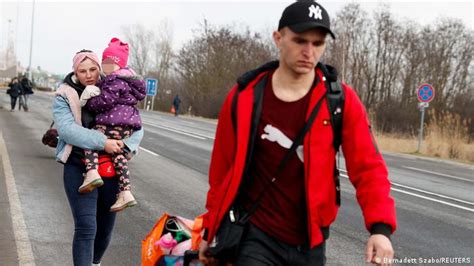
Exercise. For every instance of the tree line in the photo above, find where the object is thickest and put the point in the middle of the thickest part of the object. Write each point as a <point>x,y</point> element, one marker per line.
<point>382,58</point>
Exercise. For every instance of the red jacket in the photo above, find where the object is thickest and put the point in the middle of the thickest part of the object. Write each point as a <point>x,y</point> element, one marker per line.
<point>365,165</point>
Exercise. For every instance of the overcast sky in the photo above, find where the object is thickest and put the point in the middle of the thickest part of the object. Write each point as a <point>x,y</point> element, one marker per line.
<point>62,28</point>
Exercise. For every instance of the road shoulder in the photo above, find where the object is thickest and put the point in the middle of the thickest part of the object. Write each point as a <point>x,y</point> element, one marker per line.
<point>8,254</point>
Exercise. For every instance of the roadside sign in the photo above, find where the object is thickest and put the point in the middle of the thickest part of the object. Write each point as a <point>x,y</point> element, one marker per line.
<point>151,85</point>
<point>423,105</point>
<point>425,93</point>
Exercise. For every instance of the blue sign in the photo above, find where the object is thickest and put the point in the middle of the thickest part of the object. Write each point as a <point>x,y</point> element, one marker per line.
<point>151,85</point>
<point>425,93</point>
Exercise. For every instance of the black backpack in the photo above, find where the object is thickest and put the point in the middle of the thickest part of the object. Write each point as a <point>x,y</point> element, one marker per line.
<point>334,96</point>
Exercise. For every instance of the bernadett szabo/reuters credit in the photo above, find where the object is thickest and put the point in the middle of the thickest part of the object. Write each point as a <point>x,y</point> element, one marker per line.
<point>431,260</point>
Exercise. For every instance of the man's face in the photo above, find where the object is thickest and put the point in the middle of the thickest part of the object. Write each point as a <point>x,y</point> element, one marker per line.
<point>300,52</point>
<point>87,72</point>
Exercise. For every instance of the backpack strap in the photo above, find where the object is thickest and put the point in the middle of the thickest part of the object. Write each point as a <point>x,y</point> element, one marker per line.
<point>244,80</point>
<point>234,110</point>
<point>335,100</point>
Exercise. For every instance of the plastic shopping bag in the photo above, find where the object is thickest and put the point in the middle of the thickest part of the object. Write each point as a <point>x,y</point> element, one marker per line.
<point>186,232</point>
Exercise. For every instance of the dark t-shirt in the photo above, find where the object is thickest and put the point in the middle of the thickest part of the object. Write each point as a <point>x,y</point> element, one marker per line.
<point>282,211</point>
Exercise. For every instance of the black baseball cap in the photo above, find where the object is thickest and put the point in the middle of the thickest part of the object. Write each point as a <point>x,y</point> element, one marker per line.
<point>305,15</point>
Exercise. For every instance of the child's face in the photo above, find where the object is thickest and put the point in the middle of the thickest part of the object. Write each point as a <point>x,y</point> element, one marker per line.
<point>109,66</point>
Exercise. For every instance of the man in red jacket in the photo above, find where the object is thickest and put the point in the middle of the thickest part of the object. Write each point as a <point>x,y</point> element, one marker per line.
<point>292,220</point>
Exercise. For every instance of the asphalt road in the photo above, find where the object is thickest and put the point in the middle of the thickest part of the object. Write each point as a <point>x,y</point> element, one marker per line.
<point>434,198</point>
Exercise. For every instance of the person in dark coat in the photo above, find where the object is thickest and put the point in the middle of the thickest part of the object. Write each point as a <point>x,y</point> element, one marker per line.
<point>25,92</point>
<point>14,91</point>
<point>176,104</point>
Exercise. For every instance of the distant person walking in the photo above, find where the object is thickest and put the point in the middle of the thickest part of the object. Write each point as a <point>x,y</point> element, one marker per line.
<point>176,104</point>
<point>26,91</point>
<point>14,91</point>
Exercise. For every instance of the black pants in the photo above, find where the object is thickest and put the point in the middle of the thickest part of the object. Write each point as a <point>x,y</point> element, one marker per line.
<point>258,249</point>
<point>13,102</point>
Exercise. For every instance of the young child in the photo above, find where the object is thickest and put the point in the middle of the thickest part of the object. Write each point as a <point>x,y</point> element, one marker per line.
<point>116,116</point>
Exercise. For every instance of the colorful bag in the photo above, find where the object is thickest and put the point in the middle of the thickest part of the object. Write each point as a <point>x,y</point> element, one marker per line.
<point>152,253</point>
<point>172,110</point>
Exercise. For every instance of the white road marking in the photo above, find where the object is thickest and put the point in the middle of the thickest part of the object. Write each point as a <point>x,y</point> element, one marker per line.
<point>435,200</point>
<point>434,194</point>
<point>179,131</point>
<point>440,174</point>
<point>150,152</point>
<point>428,198</point>
<point>22,241</point>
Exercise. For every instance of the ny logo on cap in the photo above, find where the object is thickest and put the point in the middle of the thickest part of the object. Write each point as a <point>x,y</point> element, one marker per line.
<point>315,12</point>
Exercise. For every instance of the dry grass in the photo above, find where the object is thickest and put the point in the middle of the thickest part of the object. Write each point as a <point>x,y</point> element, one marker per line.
<point>446,137</point>
<point>396,143</point>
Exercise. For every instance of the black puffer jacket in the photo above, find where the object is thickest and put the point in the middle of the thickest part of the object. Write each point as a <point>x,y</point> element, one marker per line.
<point>26,85</point>
<point>15,89</point>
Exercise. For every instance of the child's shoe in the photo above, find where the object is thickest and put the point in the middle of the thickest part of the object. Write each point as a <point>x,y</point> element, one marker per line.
<point>91,181</point>
<point>125,199</point>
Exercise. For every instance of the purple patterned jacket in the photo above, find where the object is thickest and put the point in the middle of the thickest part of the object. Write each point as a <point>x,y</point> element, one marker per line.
<point>116,104</point>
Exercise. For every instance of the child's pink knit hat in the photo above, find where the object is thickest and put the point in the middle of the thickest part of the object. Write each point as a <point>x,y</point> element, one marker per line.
<point>117,51</point>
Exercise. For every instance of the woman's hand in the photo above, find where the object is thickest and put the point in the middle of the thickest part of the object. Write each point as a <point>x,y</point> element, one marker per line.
<point>113,146</point>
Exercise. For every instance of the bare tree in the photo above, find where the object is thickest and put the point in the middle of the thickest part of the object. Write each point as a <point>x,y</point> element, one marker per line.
<point>349,52</point>
<point>163,50</point>
<point>386,61</point>
<point>210,63</point>
<point>139,38</point>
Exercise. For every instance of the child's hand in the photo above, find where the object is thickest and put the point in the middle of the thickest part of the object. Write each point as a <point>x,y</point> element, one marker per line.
<point>89,92</point>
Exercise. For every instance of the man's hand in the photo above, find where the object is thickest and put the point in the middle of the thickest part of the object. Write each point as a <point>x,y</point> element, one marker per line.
<point>379,250</point>
<point>113,146</point>
<point>203,257</point>
<point>89,92</point>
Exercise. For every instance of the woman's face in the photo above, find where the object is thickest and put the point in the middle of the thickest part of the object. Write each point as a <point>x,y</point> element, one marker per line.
<point>88,72</point>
